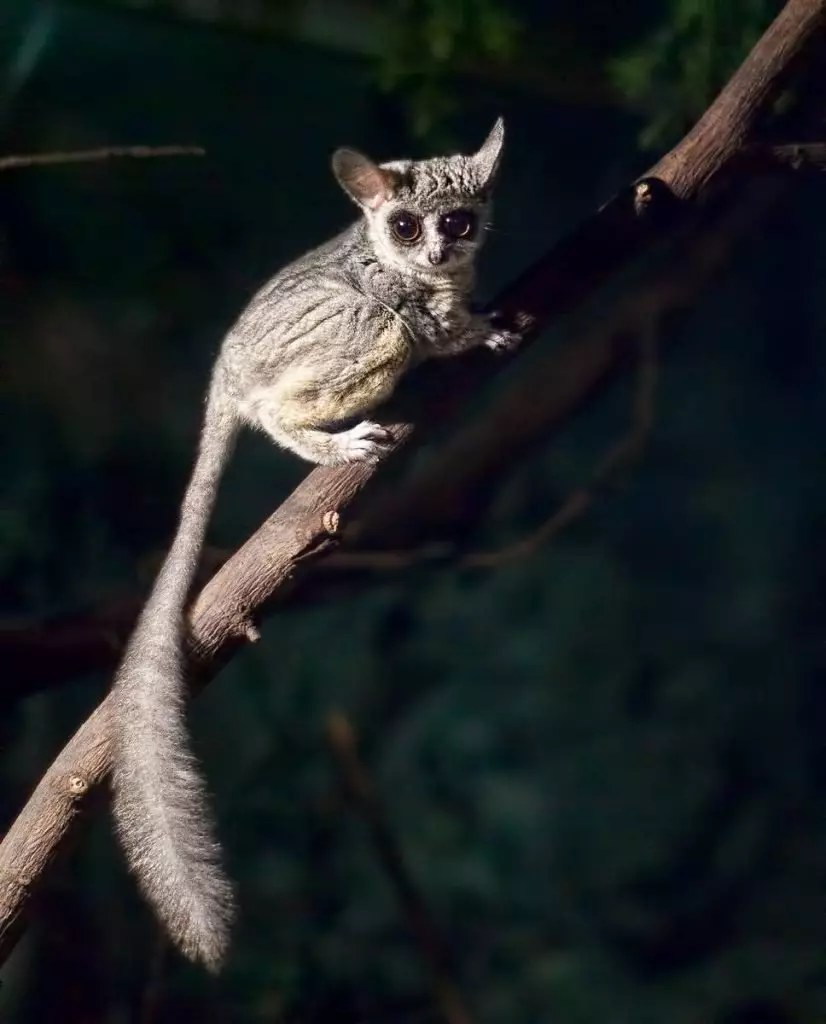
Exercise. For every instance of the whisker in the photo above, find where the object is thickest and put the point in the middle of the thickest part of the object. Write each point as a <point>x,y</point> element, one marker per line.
<point>506,232</point>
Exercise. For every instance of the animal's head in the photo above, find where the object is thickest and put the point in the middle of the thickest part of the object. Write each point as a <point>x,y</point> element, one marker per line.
<point>424,216</point>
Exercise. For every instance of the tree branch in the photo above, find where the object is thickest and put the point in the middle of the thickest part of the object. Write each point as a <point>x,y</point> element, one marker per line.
<point>51,651</point>
<point>622,452</point>
<point>797,157</point>
<point>310,522</point>
<point>454,488</point>
<point>362,796</point>
<point>451,492</point>
<point>88,156</point>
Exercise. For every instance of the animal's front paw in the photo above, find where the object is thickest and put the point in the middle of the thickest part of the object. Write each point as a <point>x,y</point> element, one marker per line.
<point>500,335</point>
<point>365,442</point>
<point>500,340</point>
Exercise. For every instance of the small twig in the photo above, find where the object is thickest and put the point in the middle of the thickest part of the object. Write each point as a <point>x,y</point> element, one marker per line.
<point>618,456</point>
<point>87,156</point>
<point>806,156</point>
<point>361,793</point>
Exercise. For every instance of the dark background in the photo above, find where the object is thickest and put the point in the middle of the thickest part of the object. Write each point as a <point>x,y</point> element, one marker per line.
<point>603,762</point>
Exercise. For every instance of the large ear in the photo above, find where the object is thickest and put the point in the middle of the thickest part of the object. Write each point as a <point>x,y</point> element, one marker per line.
<point>365,182</point>
<point>488,157</point>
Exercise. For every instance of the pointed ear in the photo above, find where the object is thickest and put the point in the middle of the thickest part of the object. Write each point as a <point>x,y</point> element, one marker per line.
<point>365,182</point>
<point>488,157</point>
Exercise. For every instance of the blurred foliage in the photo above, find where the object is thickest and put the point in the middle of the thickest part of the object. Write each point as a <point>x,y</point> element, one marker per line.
<point>428,40</point>
<point>674,73</point>
<point>605,762</point>
<point>665,59</point>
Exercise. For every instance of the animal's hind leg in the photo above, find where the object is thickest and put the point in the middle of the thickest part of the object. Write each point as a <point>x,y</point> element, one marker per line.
<point>294,418</point>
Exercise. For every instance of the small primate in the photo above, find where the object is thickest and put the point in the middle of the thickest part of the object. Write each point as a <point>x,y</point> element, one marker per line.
<point>323,342</point>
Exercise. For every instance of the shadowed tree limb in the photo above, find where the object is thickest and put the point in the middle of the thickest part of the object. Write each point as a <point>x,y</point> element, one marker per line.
<point>311,522</point>
<point>56,649</point>
<point>454,488</point>
<point>809,156</point>
<point>432,509</point>
<point>618,456</point>
<point>362,796</point>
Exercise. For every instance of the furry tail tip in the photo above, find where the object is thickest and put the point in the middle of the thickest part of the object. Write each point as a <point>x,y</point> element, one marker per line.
<point>206,943</point>
<point>198,926</point>
<point>181,880</point>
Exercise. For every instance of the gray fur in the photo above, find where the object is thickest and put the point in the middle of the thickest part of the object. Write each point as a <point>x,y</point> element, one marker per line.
<point>323,342</point>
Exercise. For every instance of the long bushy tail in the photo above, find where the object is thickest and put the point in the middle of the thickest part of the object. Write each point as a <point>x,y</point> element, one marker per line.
<point>161,808</point>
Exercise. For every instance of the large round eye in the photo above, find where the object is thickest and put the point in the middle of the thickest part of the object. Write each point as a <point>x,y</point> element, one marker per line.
<point>405,226</point>
<point>458,224</point>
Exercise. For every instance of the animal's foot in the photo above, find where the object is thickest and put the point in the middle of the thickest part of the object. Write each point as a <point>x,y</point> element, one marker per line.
<point>365,442</point>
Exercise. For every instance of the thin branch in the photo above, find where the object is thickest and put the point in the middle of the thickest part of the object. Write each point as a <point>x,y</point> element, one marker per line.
<point>313,519</point>
<point>361,793</point>
<point>799,157</point>
<point>48,652</point>
<point>88,156</point>
<point>455,486</point>
<point>446,497</point>
<point>54,650</point>
<point>618,456</point>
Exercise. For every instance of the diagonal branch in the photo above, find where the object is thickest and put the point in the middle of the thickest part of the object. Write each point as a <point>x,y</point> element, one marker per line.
<point>433,509</point>
<point>361,794</point>
<point>705,166</point>
<point>456,485</point>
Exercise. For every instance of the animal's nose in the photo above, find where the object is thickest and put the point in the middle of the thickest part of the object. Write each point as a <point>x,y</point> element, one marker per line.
<point>437,257</point>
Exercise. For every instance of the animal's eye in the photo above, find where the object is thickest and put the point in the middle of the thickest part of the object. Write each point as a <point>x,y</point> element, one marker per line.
<point>458,224</point>
<point>405,226</point>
